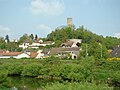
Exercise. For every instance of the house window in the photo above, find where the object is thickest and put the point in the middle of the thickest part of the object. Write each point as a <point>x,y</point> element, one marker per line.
<point>78,44</point>
<point>11,56</point>
<point>75,57</point>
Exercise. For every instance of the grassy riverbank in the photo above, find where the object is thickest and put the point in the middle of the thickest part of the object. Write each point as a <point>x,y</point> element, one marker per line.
<point>82,72</point>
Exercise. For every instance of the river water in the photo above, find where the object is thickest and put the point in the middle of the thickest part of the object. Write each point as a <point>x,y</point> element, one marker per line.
<point>24,83</point>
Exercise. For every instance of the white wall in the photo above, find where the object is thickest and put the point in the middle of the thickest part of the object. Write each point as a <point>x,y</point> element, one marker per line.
<point>40,55</point>
<point>23,55</point>
<point>24,45</point>
<point>4,56</point>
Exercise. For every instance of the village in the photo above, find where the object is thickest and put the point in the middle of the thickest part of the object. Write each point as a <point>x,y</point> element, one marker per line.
<point>59,44</point>
<point>69,49</point>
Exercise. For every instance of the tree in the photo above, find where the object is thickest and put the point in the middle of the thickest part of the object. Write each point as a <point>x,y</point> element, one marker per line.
<point>31,36</point>
<point>25,38</point>
<point>2,43</point>
<point>94,49</point>
<point>111,42</point>
<point>36,37</point>
<point>7,38</point>
<point>11,46</point>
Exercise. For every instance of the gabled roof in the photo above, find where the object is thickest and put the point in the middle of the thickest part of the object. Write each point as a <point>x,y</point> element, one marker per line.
<point>109,51</point>
<point>116,52</point>
<point>67,44</point>
<point>1,51</point>
<point>33,54</point>
<point>70,42</point>
<point>10,53</point>
<point>45,51</point>
<point>63,50</point>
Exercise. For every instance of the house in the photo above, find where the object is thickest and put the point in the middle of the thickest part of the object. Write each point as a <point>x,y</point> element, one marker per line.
<point>9,54</point>
<point>40,54</point>
<point>72,43</point>
<point>24,45</point>
<point>16,55</point>
<point>22,55</point>
<point>1,51</point>
<point>19,55</point>
<point>62,52</point>
<point>71,48</point>
<point>33,54</point>
<point>116,52</point>
<point>36,44</point>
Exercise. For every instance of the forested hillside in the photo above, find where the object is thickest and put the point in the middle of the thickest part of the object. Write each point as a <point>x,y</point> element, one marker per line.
<point>60,35</point>
<point>96,45</point>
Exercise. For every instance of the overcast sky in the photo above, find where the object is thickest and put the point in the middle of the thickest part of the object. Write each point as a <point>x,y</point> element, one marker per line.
<point>40,17</point>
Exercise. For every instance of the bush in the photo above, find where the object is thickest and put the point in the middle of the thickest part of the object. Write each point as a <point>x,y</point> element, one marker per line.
<point>76,86</point>
<point>3,75</point>
<point>31,69</point>
<point>12,68</point>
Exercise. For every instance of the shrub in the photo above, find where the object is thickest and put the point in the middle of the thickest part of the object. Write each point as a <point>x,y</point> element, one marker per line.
<point>76,86</point>
<point>13,68</point>
<point>31,69</point>
<point>3,75</point>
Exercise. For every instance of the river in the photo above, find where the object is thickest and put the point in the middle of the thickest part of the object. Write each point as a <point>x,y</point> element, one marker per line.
<point>24,83</point>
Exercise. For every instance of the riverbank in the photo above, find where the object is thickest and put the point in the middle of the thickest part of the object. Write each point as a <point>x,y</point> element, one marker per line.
<point>79,71</point>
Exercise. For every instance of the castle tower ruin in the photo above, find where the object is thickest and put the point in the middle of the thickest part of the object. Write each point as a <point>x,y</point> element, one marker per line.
<point>69,22</point>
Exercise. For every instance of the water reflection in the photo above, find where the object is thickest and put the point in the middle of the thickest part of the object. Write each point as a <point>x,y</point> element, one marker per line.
<point>24,83</point>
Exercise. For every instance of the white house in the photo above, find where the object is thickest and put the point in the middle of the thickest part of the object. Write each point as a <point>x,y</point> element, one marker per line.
<point>35,44</point>
<point>22,55</point>
<point>40,54</point>
<point>16,55</point>
<point>9,54</point>
<point>24,45</point>
<point>72,43</point>
<point>19,55</point>
<point>63,52</point>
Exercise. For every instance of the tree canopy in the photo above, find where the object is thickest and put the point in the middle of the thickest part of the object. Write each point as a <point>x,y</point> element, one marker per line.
<point>60,35</point>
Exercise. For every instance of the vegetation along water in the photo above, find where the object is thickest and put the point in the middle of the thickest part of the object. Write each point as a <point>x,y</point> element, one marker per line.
<point>55,74</point>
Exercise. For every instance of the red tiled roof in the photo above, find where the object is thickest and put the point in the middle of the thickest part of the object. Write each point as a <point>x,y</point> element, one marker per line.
<point>33,54</point>
<point>109,51</point>
<point>1,51</point>
<point>10,53</point>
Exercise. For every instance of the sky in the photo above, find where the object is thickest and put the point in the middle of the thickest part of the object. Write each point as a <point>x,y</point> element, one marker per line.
<point>18,17</point>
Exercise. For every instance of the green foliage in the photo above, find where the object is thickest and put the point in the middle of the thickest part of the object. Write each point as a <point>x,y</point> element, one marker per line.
<point>7,38</point>
<point>25,38</point>
<point>3,75</point>
<point>111,42</point>
<point>116,76</point>
<point>94,50</point>
<point>31,36</point>
<point>60,35</point>
<point>36,37</point>
<point>2,43</point>
<point>76,86</point>
<point>12,68</point>
<point>11,46</point>
<point>31,69</point>
<point>86,70</point>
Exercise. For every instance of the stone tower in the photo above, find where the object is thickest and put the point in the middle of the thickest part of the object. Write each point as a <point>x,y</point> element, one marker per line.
<point>69,22</point>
